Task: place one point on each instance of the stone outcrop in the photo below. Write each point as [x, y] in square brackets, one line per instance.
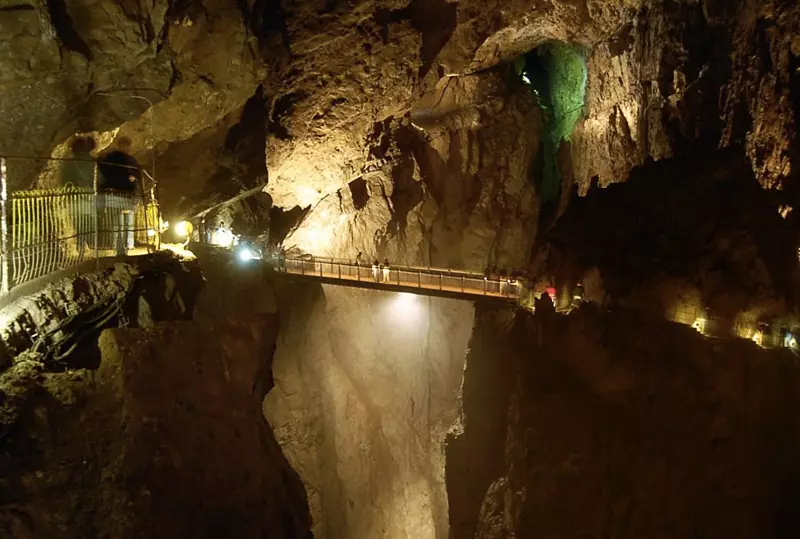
[55, 311]
[166, 438]
[621, 425]
[699, 226]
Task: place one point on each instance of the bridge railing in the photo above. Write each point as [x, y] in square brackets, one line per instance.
[459, 282]
[47, 230]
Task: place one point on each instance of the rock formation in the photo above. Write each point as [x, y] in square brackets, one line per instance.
[340, 81]
[624, 426]
[366, 390]
[161, 435]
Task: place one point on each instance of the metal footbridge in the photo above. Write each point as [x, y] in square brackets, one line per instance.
[438, 282]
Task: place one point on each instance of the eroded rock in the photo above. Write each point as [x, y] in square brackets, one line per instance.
[167, 437]
[626, 424]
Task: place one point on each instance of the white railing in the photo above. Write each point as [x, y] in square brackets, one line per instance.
[47, 230]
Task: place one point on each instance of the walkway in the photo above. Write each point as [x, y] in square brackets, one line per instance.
[425, 281]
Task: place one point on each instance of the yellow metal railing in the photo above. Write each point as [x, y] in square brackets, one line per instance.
[47, 230]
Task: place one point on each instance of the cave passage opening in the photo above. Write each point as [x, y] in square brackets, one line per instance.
[557, 74]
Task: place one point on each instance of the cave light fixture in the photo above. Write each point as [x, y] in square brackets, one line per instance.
[223, 237]
[405, 309]
[183, 229]
[700, 325]
[246, 254]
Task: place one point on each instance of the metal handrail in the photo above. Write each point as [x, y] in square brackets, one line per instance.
[68, 159]
[443, 271]
[46, 230]
[466, 283]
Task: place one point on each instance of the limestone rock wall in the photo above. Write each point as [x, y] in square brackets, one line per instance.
[194, 62]
[450, 186]
[336, 77]
[166, 438]
[679, 75]
[616, 424]
[367, 387]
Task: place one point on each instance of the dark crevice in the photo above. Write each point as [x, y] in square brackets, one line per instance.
[207, 80]
[436, 20]
[18, 7]
[282, 222]
[359, 193]
[65, 31]
[264, 19]
[175, 77]
[281, 111]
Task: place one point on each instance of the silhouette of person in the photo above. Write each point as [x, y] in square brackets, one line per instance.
[120, 174]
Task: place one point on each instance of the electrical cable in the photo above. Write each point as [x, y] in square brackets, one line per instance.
[85, 322]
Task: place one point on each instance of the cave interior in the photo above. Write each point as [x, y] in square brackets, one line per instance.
[627, 172]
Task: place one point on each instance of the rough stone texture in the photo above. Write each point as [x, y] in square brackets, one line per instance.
[696, 226]
[150, 289]
[451, 186]
[682, 74]
[366, 389]
[664, 75]
[624, 426]
[196, 63]
[165, 439]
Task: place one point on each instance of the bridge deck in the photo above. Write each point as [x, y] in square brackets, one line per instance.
[451, 284]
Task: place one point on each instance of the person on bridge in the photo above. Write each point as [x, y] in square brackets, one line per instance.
[120, 175]
[79, 169]
[375, 273]
[385, 270]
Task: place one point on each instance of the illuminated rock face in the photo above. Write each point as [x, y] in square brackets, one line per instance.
[195, 64]
[367, 387]
[451, 186]
[663, 76]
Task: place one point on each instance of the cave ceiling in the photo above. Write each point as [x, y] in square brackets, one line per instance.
[339, 82]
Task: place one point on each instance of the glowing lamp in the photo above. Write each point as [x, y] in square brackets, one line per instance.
[245, 254]
[183, 229]
[222, 237]
[699, 324]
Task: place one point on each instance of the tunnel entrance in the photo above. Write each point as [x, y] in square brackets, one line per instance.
[556, 74]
